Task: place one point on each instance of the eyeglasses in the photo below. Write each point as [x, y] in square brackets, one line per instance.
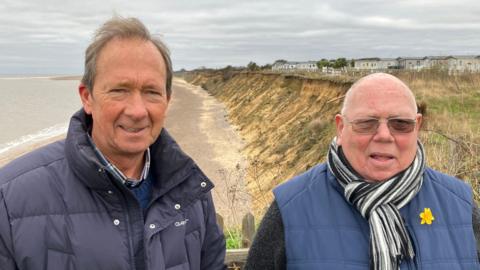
[370, 125]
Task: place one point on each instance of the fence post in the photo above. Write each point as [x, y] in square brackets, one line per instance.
[248, 230]
[219, 220]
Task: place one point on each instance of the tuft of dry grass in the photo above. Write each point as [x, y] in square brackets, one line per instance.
[452, 132]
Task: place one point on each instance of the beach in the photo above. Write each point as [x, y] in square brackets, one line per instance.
[199, 124]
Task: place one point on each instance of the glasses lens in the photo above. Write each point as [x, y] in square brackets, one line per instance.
[401, 125]
[367, 126]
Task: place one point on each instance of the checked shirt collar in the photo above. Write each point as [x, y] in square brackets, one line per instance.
[116, 173]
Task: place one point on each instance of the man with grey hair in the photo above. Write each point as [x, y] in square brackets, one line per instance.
[374, 204]
[118, 193]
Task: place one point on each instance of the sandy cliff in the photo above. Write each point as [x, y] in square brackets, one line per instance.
[287, 121]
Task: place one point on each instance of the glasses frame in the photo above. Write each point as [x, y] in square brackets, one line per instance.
[355, 122]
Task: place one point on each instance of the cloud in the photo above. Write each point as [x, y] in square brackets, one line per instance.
[215, 33]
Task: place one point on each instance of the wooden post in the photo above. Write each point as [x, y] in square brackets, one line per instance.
[236, 258]
[248, 230]
[219, 220]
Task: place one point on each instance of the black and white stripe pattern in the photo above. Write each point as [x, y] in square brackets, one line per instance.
[379, 203]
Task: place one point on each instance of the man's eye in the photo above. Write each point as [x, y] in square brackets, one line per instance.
[402, 124]
[365, 125]
[118, 90]
[367, 122]
[401, 121]
[153, 92]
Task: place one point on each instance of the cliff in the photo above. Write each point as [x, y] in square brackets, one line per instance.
[287, 121]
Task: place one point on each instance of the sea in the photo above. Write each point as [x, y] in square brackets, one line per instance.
[34, 109]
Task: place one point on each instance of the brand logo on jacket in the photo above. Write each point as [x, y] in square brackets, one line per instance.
[181, 223]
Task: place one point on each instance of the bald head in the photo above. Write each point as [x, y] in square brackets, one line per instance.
[378, 154]
[374, 83]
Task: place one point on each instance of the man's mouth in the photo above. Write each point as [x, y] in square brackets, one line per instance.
[381, 156]
[132, 129]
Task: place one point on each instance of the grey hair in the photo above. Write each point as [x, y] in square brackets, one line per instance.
[123, 28]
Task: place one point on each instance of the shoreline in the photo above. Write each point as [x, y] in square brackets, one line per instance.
[48, 77]
[66, 78]
[23, 149]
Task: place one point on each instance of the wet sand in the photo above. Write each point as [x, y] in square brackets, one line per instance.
[198, 123]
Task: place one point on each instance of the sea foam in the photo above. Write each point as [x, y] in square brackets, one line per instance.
[33, 138]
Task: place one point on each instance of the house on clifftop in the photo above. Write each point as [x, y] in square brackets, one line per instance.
[376, 63]
[295, 66]
[453, 63]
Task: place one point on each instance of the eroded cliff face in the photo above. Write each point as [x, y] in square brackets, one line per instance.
[286, 121]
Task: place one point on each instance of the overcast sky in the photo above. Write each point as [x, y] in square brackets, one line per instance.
[50, 36]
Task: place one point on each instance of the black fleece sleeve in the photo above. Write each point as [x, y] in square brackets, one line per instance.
[476, 226]
[268, 248]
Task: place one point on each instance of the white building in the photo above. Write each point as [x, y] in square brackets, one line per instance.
[376, 63]
[412, 63]
[295, 66]
[309, 66]
[455, 63]
[366, 63]
[440, 62]
[464, 63]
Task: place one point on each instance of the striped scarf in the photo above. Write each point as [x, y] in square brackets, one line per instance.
[379, 203]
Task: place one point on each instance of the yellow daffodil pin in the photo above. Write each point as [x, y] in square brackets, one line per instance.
[427, 216]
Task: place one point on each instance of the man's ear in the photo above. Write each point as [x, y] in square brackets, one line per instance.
[86, 97]
[340, 125]
[419, 119]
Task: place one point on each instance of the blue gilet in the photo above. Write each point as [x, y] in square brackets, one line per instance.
[324, 231]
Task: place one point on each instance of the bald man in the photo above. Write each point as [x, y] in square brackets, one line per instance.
[374, 204]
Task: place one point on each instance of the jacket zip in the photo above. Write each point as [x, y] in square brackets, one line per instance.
[415, 262]
[129, 232]
[127, 221]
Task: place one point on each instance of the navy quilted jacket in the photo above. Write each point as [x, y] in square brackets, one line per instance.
[59, 209]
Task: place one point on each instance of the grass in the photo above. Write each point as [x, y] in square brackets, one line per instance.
[233, 238]
[458, 107]
[452, 132]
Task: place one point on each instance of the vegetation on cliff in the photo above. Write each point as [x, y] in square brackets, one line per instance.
[287, 121]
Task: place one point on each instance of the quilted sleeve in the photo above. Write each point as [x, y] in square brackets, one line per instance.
[6, 251]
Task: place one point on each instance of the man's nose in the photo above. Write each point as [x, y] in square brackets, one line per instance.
[136, 106]
[383, 132]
